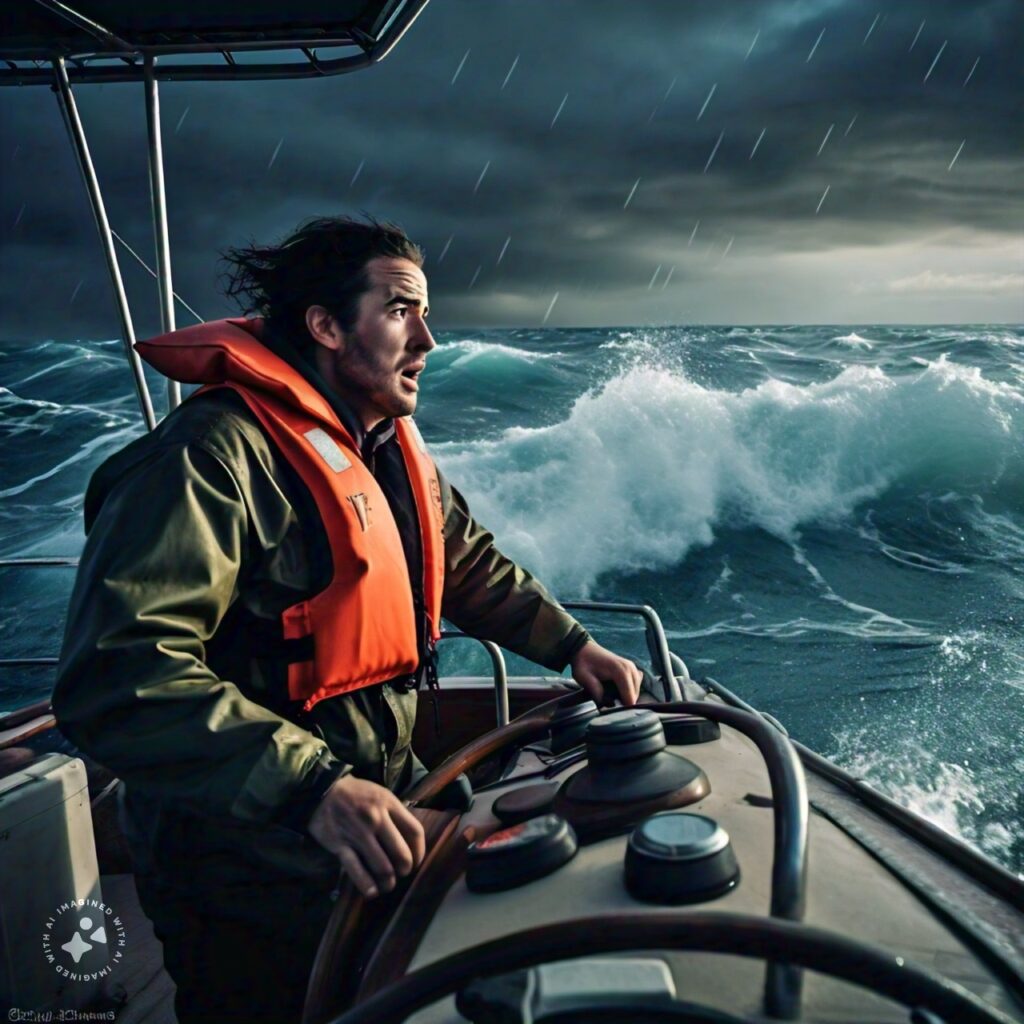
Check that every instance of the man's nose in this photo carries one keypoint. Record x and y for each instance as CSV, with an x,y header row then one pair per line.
x,y
424,339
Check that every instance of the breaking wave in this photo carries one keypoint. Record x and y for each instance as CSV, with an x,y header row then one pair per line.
x,y
652,464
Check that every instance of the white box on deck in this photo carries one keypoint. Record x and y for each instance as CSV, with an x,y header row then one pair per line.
x,y
48,861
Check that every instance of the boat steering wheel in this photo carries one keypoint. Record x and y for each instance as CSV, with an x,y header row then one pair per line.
x,y
734,934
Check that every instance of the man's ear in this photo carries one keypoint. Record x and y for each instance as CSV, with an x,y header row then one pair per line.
x,y
324,329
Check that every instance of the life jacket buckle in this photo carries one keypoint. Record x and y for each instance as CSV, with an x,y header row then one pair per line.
x,y
430,660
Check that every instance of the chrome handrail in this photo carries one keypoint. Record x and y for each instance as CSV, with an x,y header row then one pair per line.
x,y
500,671
657,643
40,562
160,230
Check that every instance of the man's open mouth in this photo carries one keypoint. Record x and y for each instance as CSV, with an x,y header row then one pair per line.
x,y
411,373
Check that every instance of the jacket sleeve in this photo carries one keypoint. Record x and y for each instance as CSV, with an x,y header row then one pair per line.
x,y
158,572
487,595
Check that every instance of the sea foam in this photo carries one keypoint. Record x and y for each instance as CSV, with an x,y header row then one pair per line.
x,y
961,799
651,464
455,354
853,338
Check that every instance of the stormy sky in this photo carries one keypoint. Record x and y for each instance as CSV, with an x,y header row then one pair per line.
x,y
645,161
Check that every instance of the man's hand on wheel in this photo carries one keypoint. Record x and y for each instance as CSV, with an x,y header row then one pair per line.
x,y
371,831
594,665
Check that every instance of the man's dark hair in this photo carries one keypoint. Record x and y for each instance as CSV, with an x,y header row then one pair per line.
x,y
322,263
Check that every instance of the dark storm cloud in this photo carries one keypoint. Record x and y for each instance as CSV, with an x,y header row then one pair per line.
x,y
627,81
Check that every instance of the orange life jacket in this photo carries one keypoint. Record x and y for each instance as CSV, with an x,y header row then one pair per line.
x,y
363,624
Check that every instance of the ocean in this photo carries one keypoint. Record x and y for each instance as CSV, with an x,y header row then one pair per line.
x,y
829,520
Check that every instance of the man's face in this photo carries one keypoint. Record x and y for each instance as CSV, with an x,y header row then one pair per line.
x,y
376,366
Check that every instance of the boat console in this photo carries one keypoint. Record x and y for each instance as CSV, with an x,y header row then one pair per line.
x,y
608,851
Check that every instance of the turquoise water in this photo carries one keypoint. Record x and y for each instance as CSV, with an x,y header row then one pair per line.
x,y
830,520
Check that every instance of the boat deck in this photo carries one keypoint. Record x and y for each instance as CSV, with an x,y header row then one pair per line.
x,y
142,988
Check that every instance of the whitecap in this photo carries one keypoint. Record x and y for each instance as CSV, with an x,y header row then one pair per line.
x,y
855,339
722,582
873,622
470,350
873,630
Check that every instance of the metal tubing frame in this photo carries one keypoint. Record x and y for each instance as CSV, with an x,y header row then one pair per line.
x,y
789,798
160,232
500,672
678,665
73,122
41,562
372,51
86,24
650,616
790,817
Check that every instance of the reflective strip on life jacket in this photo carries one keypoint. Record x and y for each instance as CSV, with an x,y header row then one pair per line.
x,y
363,623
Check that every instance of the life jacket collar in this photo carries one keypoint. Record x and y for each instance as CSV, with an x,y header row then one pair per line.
x,y
231,352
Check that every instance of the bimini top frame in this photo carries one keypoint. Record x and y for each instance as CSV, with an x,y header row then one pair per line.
x,y
48,42
109,40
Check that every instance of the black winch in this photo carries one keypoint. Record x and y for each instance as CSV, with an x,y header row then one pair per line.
x,y
627,761
568,725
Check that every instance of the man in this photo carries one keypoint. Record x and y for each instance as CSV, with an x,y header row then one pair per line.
x,y
257,604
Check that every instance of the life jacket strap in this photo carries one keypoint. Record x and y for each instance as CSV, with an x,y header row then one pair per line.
x,y
430,660
265,640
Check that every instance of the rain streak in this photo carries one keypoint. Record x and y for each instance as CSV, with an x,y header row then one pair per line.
x,y
831,143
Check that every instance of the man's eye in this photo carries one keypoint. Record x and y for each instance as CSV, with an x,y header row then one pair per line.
x,y
401,311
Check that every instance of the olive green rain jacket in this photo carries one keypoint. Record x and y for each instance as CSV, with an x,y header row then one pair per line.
x,y
199,536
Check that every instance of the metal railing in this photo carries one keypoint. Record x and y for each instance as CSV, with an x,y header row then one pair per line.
x,y
657,643
40,562
500,671
160,232
790,811
127,55
81,147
